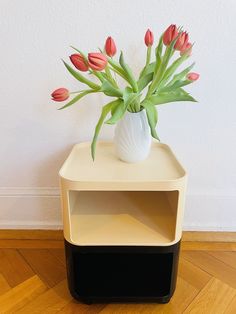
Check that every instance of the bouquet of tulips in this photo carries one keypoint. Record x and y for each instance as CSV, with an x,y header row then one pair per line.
x,y
157,83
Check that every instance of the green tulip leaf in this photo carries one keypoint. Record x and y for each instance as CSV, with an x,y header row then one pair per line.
x,y
117,112
117,68
158,52
144,81
147,70
181,75
108,89
119,109
105,110
151,116
178,95
159,49
104,75
80,77
170,71
128,73
77,98
146,76
174,86
131,100
160,69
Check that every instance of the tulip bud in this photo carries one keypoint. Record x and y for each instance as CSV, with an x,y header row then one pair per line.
x,y
170,34
60,94
97,61
187,50
149,38
110,47
193,76
79,62
181,42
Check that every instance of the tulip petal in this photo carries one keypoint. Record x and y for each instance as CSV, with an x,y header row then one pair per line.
x,y
110,47
193,76
60,94
149,38
97,61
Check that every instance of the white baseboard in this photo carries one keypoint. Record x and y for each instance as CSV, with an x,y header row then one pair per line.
x,y
210,212
39,208
30,208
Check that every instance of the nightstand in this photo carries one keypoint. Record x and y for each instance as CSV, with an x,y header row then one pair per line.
x,y
122,224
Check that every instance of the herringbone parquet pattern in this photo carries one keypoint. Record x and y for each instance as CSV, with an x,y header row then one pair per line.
x,y
33,280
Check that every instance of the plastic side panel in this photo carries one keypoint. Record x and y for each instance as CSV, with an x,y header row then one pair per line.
x,y
180,213
122,274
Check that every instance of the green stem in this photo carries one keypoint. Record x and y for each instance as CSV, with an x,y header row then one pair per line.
x,y
161,70
119,73
115,67
99,76
148,58
77,92
131,108
137,105
158,76
108,73
128,73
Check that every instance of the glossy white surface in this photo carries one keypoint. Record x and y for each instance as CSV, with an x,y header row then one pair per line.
x,y
132,138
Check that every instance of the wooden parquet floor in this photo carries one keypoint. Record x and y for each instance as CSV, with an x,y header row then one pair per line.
x,y
33,280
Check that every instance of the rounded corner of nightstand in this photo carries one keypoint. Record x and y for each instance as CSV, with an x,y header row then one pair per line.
x,y
60,174
184,177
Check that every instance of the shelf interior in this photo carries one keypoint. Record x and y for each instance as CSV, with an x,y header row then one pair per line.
x,y
123,217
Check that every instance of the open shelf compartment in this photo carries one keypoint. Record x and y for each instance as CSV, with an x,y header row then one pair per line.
x,y
146,218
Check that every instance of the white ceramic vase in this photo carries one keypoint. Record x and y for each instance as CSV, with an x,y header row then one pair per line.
x,y
132,137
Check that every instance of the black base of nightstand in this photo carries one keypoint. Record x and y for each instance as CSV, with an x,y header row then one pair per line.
x,y
98,274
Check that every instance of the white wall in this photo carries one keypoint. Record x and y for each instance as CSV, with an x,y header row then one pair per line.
x,y
35,138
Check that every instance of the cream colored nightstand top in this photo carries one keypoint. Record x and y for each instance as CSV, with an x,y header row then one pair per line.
x,y
161,166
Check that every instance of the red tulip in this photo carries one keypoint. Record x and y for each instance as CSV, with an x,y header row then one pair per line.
x,y
170,34
110,47
149,38
187,50
97,61
79,62
181,42
60,94
193,76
